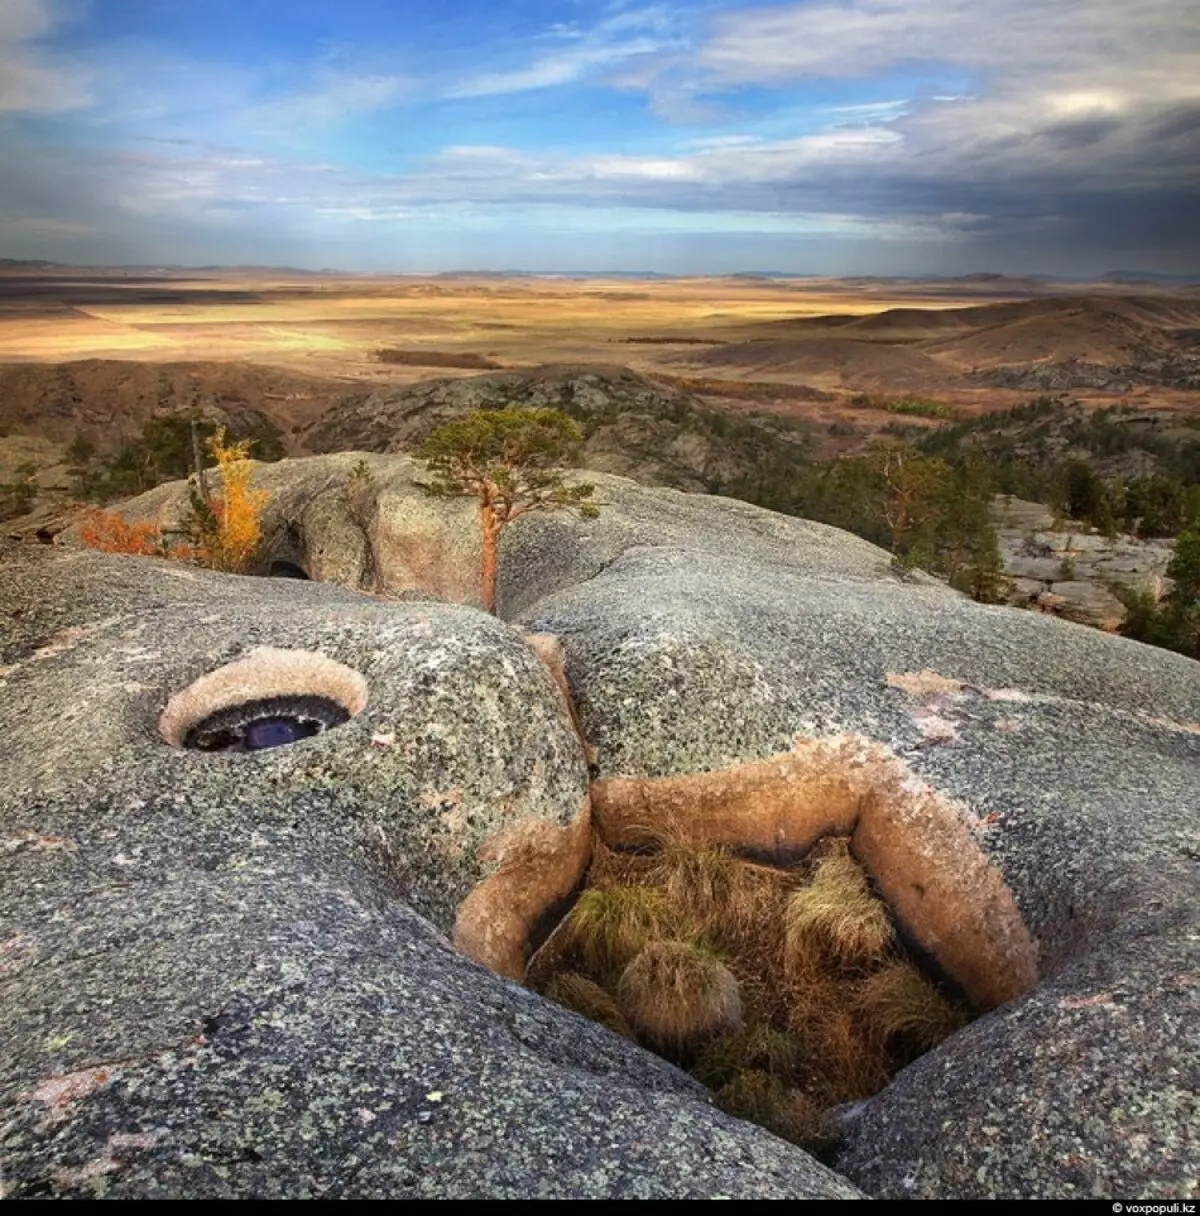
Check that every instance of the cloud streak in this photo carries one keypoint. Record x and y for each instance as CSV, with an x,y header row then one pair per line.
x,y
633,34
999,126
334,96
1153,42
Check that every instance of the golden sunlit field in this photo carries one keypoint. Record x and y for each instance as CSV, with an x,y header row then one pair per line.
x,y
826,350
337,323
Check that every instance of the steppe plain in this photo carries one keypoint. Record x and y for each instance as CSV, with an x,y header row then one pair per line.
x,y
800,347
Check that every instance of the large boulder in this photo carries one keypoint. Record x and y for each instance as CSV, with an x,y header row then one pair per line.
x,y
1072,572
230,974
1024,791
1073,757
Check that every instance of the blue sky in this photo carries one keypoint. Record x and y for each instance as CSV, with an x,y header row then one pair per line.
x,y
710,136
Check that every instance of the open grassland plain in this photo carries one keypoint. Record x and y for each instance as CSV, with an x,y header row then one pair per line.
x,y
340,322
864,354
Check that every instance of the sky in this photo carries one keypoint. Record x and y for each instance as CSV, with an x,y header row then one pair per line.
x,y
822,137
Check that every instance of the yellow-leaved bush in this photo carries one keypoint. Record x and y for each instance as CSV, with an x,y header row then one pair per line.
x,y
222,531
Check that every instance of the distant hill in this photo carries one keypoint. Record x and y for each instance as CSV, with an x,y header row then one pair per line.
x,y
632,426
1025,446
1149,276
1107,342
832,361
22,265
110,400
28,265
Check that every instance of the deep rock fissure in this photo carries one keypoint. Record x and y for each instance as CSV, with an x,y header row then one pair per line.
x,y
956,944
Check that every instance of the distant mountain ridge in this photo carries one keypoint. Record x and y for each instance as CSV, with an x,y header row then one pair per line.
x,y
1000,281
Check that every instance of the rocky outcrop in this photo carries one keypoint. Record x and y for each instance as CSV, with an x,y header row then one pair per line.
x,y
1067,570
632,426
231,973
110,400
1180,371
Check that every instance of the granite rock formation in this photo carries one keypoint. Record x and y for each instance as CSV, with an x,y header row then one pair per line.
x,y
231,974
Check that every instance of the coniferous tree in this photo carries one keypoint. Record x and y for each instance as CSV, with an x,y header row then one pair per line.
x,y
507,460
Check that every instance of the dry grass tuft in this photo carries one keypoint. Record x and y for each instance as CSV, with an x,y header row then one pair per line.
x,y
899,1005
784,991
607,927
837,915
585,997
716,888
810,997
764,1099
676,994
615,868
699,877
846,1067
756,1046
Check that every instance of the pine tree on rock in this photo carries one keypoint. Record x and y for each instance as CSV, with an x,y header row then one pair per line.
x,y
510,461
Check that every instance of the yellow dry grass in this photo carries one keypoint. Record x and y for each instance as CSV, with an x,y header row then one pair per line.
x,y
609,925
756,1046
899,1003
586,997
763,1098
342,321
676,994
837,914
785,991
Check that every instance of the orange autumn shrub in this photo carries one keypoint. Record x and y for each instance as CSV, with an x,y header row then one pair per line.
x,y
112,533
226,529
223,530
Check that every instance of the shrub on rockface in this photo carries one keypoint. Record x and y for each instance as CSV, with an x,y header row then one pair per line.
x,y
1173,624
163,451
219,531
17,497
225,529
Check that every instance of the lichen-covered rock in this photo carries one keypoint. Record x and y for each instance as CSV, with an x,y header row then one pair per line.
x,y
462,736
1057,764
1074,757
228,974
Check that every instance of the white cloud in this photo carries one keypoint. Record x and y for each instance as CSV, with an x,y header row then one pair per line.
x,y
621,38
22,20
32,78
38,83
880,111
1024,37
334,96
47,226
553,70
1024,116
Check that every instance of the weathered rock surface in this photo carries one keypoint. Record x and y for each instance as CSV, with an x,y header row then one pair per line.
x,y
219,980
1072,572
262,902
1076,755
